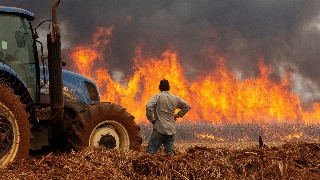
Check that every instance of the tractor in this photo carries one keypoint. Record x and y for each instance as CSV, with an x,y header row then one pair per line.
x,y
43,106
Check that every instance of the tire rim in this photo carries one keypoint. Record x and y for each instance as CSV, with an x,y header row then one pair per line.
x,y
110,134
9,135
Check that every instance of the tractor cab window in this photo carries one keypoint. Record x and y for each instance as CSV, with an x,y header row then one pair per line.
x,y
16,48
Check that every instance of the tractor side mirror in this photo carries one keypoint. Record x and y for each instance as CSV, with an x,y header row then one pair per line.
x,y
21,43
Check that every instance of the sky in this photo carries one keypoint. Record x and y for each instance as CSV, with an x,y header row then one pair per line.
x,y
286,33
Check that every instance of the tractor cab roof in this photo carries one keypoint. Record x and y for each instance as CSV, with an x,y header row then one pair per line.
x,y
17,11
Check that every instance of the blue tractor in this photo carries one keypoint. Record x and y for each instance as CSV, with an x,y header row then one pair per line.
x,y
45,106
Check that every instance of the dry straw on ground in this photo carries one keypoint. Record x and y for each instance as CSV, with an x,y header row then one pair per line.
x,y
289,161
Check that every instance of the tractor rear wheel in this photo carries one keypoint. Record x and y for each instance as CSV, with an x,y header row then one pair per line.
x,y
14,127
107,125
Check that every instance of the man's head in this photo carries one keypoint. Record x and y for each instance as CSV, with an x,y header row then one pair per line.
x,y
164,85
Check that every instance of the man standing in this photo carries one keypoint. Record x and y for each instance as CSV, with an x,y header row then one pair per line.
x,y
160,111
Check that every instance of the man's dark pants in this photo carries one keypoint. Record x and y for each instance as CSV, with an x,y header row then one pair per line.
x,y
157,139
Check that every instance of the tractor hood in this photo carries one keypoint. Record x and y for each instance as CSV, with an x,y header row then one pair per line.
x,y
75,87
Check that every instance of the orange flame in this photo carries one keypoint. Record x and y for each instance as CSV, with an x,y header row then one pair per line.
x,y
298,136
217,97
208,137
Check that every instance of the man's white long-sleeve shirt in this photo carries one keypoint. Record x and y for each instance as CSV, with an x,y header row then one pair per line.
x,y
160,111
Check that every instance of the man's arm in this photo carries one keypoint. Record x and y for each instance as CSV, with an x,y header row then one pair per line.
x,y
150,108
184,108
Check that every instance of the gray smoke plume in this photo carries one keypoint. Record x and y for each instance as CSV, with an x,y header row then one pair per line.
x,y
286,33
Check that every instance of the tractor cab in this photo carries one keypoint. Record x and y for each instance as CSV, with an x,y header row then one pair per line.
x,y
17,47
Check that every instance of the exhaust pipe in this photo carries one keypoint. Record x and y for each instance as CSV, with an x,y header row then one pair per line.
x,y
55,76
55,29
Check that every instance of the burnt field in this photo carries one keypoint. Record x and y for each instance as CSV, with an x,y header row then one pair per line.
x,y
203,151
250,132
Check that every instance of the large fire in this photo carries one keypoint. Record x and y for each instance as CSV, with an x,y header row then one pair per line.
x,y
217,97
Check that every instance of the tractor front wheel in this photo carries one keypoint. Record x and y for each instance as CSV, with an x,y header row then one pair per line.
x,y
107,125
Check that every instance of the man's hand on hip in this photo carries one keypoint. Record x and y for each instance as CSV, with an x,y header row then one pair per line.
x,y
175,117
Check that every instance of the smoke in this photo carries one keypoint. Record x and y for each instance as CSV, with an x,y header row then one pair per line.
x,y
283,32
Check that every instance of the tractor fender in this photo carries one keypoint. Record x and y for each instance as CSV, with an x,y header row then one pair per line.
x,y
15,81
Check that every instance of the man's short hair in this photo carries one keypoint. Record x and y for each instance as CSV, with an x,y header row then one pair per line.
x,y
164,85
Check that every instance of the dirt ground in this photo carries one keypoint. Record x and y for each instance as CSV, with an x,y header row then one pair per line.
x,y
193,160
